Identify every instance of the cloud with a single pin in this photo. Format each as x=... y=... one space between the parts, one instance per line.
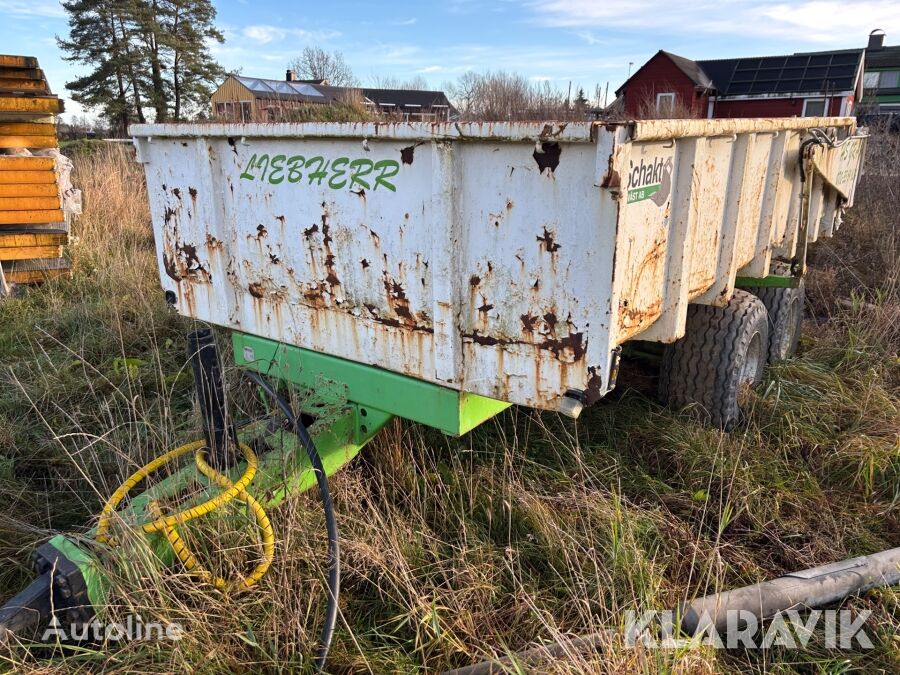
x=40 y=8
x=589 y=37
x=264 y=34
x=822 y=21
x=405 y=22
x=430 y=69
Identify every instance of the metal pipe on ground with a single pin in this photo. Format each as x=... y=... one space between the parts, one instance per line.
x=807 y=589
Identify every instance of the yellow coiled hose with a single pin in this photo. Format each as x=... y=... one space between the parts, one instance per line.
x=167 y=525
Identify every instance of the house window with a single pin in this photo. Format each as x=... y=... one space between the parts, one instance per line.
x=814 y=107
x=245 y=111
x=890 y=79
x=665 y=103
x=870 y=80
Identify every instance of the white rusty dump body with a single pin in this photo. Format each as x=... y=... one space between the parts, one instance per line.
x=506 y=259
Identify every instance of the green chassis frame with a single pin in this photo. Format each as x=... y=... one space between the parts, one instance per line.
x=351 y=402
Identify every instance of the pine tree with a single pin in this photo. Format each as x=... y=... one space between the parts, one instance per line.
x=150 y=53
x=99 y=37
x=188 y=28
x=581 y=102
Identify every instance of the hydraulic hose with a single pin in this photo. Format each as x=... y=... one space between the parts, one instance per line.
x=334 y=564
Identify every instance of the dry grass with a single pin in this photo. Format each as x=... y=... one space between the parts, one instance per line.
x=530 y=528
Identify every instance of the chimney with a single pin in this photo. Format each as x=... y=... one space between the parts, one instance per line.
x=290 y=76
x=876 y=39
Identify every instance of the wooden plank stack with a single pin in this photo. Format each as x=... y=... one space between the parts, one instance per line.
x=33 y=226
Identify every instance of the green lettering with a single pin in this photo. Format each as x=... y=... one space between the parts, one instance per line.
x=389 y=169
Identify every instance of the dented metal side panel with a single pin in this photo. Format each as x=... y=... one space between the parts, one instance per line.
x=508 y=260
x=481 y=265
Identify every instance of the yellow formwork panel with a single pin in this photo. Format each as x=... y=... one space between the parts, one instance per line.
x=26 y=163
x=27 y=129
x=26 y=177
x=22 y=203
x=29 y=252
x=31 y=238
x=24 y=84
x=28 y=190
x=31 y=105
x=28 y=141
x=15 y=276
x=30 y=217
x=16 y=61
x=20 y=177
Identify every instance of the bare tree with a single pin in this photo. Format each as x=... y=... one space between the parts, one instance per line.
x=496 y=96
x=389 y=82
x=315 y=63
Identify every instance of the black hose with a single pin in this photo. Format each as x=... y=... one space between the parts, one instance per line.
x=334 y=551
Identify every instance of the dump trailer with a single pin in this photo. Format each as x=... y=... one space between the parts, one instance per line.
x=506 y=260
x=442 y=272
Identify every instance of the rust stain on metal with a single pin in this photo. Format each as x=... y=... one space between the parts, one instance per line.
x=548 y=242
x=311 y=230
x=529 y=322
x=474 y=280
x=569 y=349
x=256 y=289
x=365 y=263
x=407 y=154
x=593 y=390
x=548 y=156
x=171 y=268
x=192 y=191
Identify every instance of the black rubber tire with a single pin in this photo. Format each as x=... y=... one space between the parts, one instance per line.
x=723 y=349
x=785 y=308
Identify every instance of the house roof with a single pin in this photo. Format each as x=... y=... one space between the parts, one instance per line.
x=315 y=92
x=812 y=72
x=690 y=68
x=796 y=73
x=406 y=97
x=281 y=89
x=883 y=57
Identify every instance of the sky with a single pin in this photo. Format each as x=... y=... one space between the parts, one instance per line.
x=585 y=42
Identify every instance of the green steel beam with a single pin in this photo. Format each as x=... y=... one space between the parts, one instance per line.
x=352 y=402
x=451 y=411
x=771 y=281
x=284 y=470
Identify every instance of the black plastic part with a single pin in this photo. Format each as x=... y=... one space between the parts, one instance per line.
x=221 y=436
x=60 y=589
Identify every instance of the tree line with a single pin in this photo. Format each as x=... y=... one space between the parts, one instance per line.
x=151 y=60
x=145 y=57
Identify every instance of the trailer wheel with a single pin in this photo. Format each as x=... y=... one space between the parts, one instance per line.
x=785 y=308
x=722 y=352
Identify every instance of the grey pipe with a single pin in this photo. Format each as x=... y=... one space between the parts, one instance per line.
x=809 y=589
x=806 y=589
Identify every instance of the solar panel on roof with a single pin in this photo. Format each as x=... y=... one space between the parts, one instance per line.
x=304 y=89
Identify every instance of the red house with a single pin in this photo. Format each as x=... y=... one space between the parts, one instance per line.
x=811 y=84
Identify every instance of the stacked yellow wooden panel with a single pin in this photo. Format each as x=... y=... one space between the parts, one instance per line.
x=32 y=223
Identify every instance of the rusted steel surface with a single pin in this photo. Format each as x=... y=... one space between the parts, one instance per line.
x=508 y=260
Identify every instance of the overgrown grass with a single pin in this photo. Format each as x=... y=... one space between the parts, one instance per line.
x=531 y=528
